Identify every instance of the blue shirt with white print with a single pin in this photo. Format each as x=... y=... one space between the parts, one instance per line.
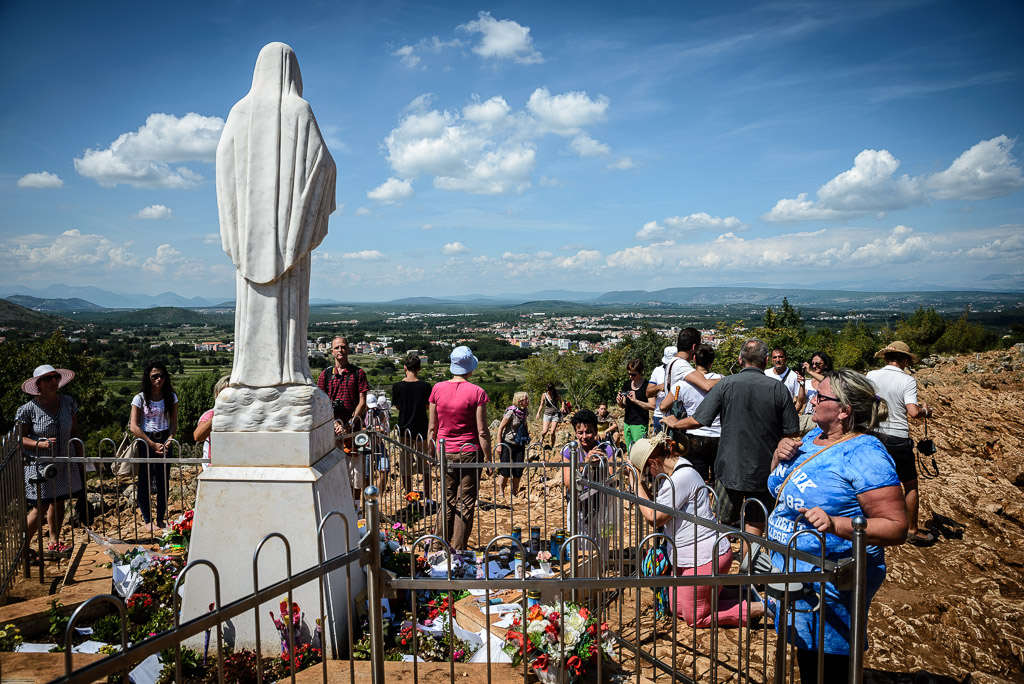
x=831 y=481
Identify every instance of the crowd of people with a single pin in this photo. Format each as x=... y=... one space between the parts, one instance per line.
x=783 y=450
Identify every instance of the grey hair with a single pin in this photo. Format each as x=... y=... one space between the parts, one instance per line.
x=855 y=391
x=754 y=353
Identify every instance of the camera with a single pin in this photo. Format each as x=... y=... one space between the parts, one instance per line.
x=927 y=447
x=44 y=472
x=339 y=408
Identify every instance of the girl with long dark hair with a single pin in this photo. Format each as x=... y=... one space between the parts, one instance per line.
x=154 y=420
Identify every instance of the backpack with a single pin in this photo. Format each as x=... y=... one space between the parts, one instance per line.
x=522 y=436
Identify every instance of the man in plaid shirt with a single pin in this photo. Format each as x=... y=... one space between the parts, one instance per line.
x=346 y=385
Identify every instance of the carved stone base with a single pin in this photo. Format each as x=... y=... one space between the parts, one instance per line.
x=235 y=508
x=284 y=408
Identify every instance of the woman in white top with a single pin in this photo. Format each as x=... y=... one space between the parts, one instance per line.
x=154 y=421
x=694 y=544
x=703 y=440
x=814 y=373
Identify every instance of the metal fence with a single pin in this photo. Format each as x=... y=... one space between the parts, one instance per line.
x=108 y=500
x=13 y=542
x=606 y=540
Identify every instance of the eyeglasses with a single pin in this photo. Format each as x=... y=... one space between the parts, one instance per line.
x=824 y=397
x=341 y=348
x=54 y=376
x=633 y=375
x=816 y=364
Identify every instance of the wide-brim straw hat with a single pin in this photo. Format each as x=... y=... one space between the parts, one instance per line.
x=31 y=386
x=897 y=348
x=642 y=450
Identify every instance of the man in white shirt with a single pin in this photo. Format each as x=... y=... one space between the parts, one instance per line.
x=899 y=390
x=781 y=372
x=656 y=387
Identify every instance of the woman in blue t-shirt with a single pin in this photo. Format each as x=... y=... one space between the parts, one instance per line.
x=837 y=472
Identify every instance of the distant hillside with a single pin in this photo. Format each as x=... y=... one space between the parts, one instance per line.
x=105 y=298
x=38 y=304
x=16 y=316
x=158 y=317
x=830 y=299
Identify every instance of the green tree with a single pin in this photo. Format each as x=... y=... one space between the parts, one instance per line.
x=921 y=330
x=195 y=397
x=962 y=336
x=854 y=347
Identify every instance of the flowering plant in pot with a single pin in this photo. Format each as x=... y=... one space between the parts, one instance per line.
x=548 y=634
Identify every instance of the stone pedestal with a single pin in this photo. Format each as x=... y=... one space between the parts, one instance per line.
x=267 y=481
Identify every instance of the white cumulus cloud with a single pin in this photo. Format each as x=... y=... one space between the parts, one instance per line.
x=985 y=171
x=454 y=248
x=43 y=179
x=155 y=212
x=871 y=186
x=623 y=164
x=364 y=255
x=390 y=191
x=503 y=39
x=676 y=226
x=143 y=158
x=566 y=113
x=70 y=250
x=412 y=55
x=585 y=258
x=585 y=146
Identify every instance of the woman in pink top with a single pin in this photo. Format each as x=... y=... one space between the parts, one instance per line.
x=457 y=414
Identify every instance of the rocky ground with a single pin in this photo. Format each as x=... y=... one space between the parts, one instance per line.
x=957 y=608
x=950 y=612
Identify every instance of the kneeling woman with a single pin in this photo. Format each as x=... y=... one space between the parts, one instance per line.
x=695 y=544
x=837 y=472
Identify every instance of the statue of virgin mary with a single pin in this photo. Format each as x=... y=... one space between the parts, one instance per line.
x=275 y=192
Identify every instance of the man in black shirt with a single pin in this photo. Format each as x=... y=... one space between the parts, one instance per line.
x=756 y=413
x=410 y=397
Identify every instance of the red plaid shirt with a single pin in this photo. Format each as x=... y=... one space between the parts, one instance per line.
x=344 y=386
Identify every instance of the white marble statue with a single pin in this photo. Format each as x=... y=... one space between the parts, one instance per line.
x=275 y=192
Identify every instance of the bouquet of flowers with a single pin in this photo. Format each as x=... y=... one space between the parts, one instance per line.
x=436 y=644
x=290 y=621
x=180 y=532
x=548 y=632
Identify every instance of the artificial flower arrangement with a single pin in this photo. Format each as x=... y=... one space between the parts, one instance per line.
x=548 y=632
x=179 y=535
x=289 y=626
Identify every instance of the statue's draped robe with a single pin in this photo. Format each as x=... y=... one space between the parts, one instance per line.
x=275 y=192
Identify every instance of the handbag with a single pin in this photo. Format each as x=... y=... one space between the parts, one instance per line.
x=127 y=449
x=678 y=411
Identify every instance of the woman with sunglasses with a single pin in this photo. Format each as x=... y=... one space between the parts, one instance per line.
x=695 y=552
x=814 y=373
x=633 y=397
x=154 y=420
x=839 y=471
x=48 y=423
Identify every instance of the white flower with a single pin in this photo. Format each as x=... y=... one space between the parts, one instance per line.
x=537 y=626
x=574 y=622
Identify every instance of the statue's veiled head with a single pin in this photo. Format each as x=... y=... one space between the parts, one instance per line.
x=277 y=70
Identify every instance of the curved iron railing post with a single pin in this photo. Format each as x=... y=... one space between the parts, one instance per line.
x=858 y=611
x=373 y=585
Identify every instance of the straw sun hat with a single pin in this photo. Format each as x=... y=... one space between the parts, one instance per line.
x=642 y=450
x=31 y=386
x=897 y=348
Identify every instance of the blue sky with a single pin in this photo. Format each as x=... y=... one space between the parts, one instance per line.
x=524 y=146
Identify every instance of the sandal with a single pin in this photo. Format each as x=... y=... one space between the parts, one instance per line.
x=58 y=550
x=920 y=538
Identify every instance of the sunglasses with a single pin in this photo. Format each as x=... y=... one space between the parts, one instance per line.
x=54 y=376
x=157 y=376
x=816 y=364
x=824 y=397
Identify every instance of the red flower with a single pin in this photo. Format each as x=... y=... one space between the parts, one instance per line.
x=584 y=613
x=552 y=629
x=541 y=663
x=553 y=616
x=575 y=663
